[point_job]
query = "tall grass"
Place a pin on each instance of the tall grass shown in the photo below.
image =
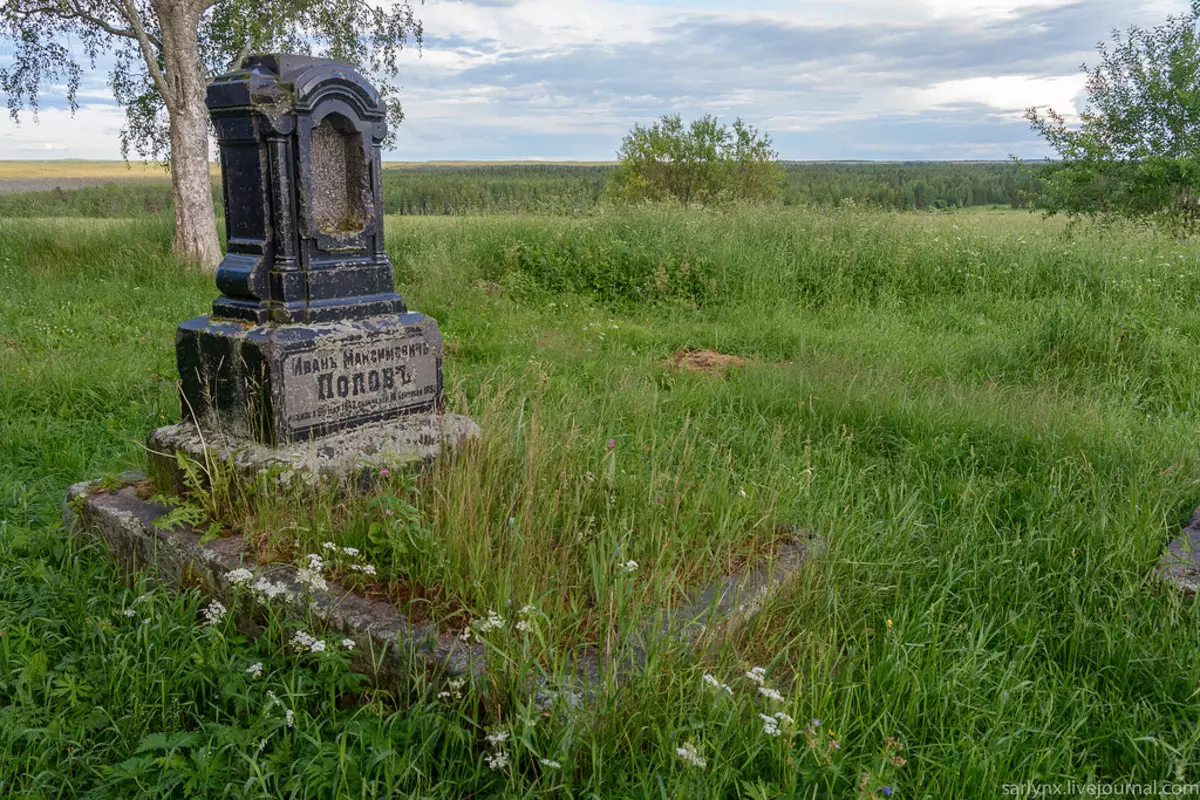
(987, 419)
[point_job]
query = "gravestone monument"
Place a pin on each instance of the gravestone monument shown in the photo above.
(309, 338)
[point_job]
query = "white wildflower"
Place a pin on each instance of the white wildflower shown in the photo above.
(523, 626)
(757, 674)
(330, 546)
(712, 681)
(315, 562)
(269, 591)
(349, 644)
(773, 724)
(129, 612)
(318, 646)
(443, 695)
(255, 670)
(312, 578)
(742, 492)
(366, 569)
(498, 738)
(350, 551)
(548, 764)
(465, 636)
(492, 622)
(214, 613)
(289, 718)
(526, 611)
(628, 566)
(498, 760)
(770, 694)
(302, 640)
(239, 576)
(691, 755)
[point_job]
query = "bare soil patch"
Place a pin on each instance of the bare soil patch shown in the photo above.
(710, 361)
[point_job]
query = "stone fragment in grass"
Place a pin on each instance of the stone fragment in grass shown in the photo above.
(1179, 565)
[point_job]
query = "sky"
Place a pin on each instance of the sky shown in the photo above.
(826, 79)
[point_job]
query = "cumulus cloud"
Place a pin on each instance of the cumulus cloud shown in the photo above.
(840, 79)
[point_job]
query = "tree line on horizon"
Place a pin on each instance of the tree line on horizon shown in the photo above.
(572, 189)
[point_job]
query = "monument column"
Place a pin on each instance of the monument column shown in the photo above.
(309, 336)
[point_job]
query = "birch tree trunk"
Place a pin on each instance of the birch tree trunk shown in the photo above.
(195, 225)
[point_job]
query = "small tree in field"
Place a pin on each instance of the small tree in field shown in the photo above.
(705, 162)
(1136, 152)
(164, 51)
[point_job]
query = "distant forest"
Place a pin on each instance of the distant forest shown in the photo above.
(551, 188)
(573, 189)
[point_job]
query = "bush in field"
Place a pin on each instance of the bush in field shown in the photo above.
(1137, 152)
(705, 162)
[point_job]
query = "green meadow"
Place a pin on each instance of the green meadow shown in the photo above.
(988, 417)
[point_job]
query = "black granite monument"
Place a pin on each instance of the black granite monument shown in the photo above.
(309, 336)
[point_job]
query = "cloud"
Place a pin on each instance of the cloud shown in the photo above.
(853, 79)
(839, 79)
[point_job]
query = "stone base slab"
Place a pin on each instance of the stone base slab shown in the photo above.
(389, 645)
(352, 457)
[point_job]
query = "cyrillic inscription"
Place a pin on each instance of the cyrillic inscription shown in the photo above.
(353, 380)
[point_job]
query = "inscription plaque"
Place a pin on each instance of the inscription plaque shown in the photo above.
(363, 379)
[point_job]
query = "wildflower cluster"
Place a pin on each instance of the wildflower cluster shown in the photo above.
(239, 577)
(310, 575)
(302, 640)
(821, 748)
(525, 619)
(455, 690)
(776, 724)
(498, 758)
(344, 557)
(711, 680)
(770, 694)
(492, 622)
(873, 785)
(289, 716)
(214, 613)
(688, 752)
(265, 591)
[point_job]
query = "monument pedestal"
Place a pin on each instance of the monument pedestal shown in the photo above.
(352, 458)
(279, 384)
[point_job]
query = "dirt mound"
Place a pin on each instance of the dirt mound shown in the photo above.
(703, 361)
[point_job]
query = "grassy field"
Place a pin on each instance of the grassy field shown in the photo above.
(988, 418)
